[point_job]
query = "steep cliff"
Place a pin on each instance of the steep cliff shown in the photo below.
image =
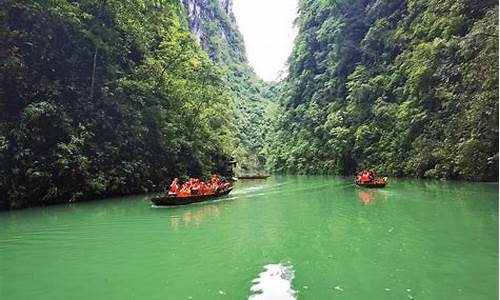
(213, 24)
(407, 87)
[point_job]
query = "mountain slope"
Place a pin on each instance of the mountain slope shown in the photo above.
(405, 87)
(104, 98)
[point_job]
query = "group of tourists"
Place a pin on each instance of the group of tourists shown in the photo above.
(195, 186)
(365, 176)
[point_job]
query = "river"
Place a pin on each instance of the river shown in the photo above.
(287, 237)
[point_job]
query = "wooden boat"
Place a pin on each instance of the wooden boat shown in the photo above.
(254, 176)
(376, 183)
(172, 200)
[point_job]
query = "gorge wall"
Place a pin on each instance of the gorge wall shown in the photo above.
(213, 24)
(407, 87)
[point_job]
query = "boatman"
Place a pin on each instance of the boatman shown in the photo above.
(371, 175)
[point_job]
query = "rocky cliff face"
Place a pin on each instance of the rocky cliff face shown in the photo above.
(194, 18)
(213, 24)
(228, 8)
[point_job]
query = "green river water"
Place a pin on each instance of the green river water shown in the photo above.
(288, 237)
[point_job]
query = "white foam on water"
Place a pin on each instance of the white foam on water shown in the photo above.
(248, 190)
(274, 283)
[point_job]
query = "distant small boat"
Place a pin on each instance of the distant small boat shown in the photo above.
(254, 176)
(172, 200)
(376, 183)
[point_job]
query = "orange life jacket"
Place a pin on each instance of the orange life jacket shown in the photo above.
(365, 177)
(174, 187)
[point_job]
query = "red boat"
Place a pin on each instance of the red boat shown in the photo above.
(172, 200)
(376, 183)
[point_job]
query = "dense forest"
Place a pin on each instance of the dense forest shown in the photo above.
(105, 98)
(408, 88)
(102, 98)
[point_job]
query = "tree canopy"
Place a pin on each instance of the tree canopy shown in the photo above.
(102, 98)
(409, 88)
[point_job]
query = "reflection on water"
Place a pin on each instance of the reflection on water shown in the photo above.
(366, 196)
(274, 283)
(369, 196)
(194, 216)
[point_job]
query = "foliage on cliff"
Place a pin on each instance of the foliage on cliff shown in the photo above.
(404, 87)
(213, 23)
(102, 98)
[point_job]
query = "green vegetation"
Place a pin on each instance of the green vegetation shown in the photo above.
(409, 88)
(102, 98)
(221, 39)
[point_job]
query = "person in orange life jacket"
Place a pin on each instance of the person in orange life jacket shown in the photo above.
(199, 186)
(365, 177)
(202, 187)
(185, 189)
(214, 182)
(195, 187)
(174, 186)
(186, 185)
(205, 188)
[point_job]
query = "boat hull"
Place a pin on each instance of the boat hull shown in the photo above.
(377, 183)
(175, 200)
(254, 177)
